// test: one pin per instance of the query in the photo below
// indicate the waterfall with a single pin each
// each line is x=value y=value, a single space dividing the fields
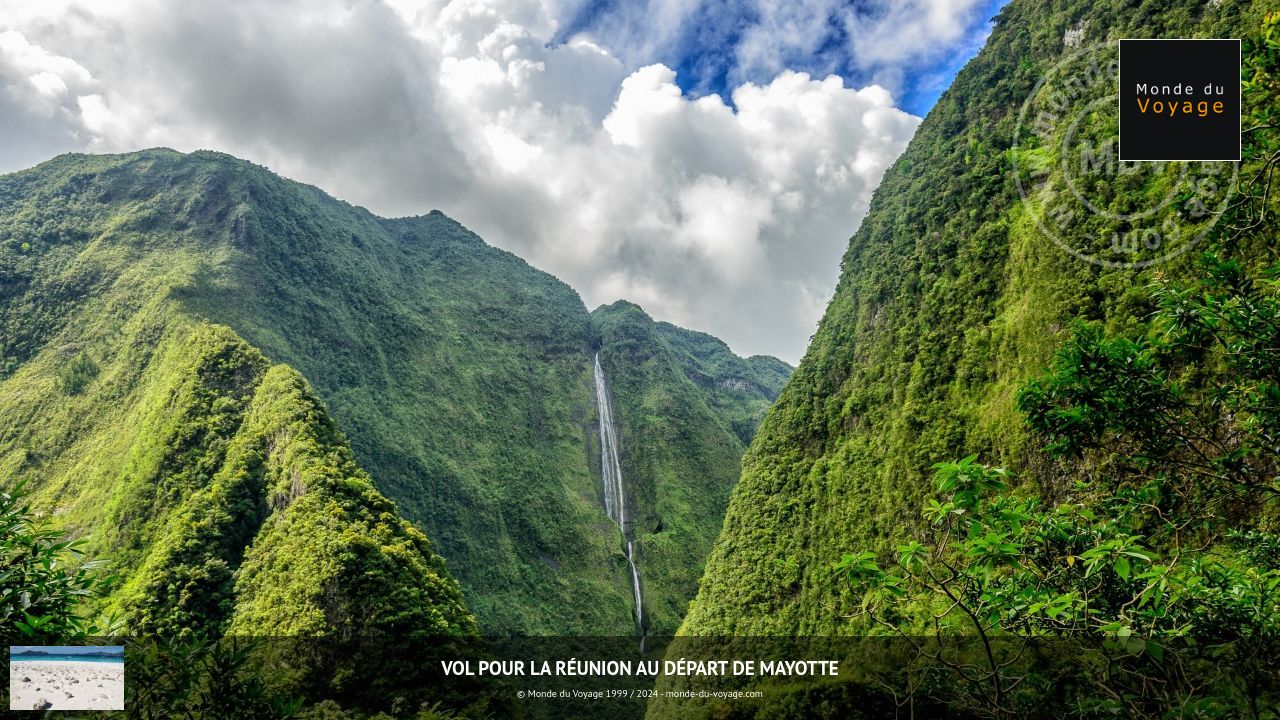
x=615 y=497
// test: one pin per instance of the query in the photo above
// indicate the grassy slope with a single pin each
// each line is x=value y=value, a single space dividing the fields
x=184 y=452
x=460 y=374
x=738 y=389
x=948 y=299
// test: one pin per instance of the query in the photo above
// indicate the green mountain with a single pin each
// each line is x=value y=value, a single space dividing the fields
x=950 y=298
x=684 y=402
x=206 y=370
x=739 y=390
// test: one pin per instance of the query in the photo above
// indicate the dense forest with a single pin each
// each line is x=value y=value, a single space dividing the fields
x=992 y=439
x=199 y=360
x=950 y=300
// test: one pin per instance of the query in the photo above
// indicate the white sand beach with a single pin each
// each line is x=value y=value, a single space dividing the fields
x=66 y=685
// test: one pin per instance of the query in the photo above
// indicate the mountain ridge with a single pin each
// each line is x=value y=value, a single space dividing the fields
x=459 y=373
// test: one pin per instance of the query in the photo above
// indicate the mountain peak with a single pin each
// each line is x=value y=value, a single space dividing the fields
x=457 y=375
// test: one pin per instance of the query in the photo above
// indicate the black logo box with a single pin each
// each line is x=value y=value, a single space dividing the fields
x=1183 y=65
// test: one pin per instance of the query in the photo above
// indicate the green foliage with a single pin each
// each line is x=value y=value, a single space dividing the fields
x=334 y=554
x=1157 y=556
x=1165 y=610
x=46 y=589
x=77 y=374
x=738 y=389
x=1260 y=79
x=287 y=536
x=949 y=298
x=266 y=527
x=460 y=376
x=460 y=373
x=1213 y=439
x=43 y=579
x=196 y=678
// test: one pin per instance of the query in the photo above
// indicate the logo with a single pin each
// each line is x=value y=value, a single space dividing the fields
x=1180 y=100
x=1079 y=192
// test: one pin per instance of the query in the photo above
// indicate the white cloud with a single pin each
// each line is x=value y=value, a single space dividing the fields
x=726 y=219
x=906 y=34
x=899 y=30
x=40 y=93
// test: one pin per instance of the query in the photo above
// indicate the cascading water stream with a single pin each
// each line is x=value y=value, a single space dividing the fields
x=615 y=497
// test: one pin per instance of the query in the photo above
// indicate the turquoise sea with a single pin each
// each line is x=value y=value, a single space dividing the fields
x=69 y=657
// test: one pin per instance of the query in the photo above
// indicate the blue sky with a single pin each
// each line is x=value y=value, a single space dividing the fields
x=705 y=50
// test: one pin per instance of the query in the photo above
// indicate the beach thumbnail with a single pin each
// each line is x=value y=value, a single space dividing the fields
x=52 y=677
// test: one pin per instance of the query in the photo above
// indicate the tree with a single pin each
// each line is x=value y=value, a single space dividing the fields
x=43 y=579
x=1154 y=565
x=1146 y=621
x=1142 y=579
